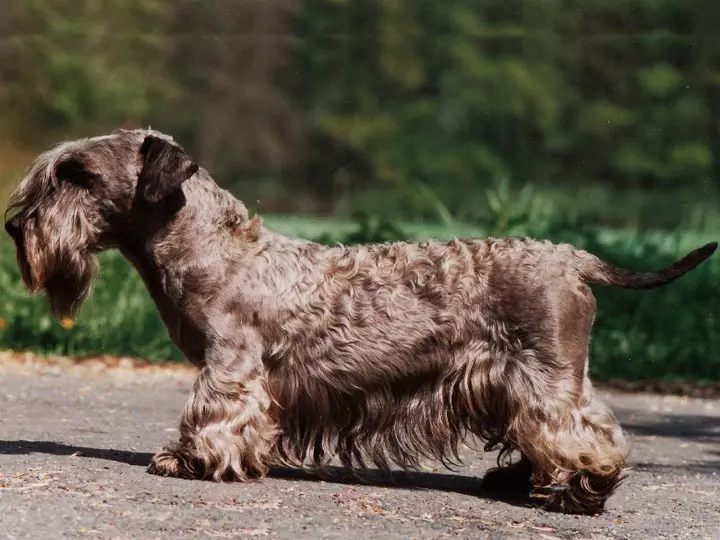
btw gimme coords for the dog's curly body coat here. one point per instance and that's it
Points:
(389, 354)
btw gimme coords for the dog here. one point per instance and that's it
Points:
(377, 354)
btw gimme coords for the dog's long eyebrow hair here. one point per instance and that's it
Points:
(375, 354)
(40, 178)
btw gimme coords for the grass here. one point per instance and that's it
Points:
(670, 334)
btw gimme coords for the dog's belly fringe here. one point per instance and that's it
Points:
(402, 422)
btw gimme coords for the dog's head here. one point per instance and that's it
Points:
(76, 200)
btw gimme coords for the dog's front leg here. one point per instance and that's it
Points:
(225, 431)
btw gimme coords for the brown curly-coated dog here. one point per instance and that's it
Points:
(389, 353)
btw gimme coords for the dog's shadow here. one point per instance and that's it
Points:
(450, 483)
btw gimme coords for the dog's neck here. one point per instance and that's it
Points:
(200, 249)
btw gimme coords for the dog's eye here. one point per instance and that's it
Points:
(75, 172)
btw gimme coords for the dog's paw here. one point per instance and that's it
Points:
(585, 492)
(573, 497)
(561, 500)
(174, 462)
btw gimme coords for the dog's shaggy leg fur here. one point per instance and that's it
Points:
(578, 454)
(225, 431)
(573, 448)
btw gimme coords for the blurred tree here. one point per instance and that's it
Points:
(641, 112)
(446, 94)
(707, 71)
(228, 58)
(423, 103)
(88, 64)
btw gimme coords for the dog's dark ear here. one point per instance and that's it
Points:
(165, 167)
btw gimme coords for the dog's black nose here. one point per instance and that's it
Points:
(13, 227)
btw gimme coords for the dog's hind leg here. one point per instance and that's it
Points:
(225, 431)
(572, 456)
(578, 454)
(573, 440)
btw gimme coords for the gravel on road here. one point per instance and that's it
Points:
(75, 439)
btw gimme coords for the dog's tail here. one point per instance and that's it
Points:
(594, 270)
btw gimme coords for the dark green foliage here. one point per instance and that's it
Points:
(368, 228)
(338, 105)
(81, 65)
(458, 95)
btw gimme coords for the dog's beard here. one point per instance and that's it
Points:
(69, 288)
(65, 272)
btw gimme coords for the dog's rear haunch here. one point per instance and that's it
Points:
(383, 354)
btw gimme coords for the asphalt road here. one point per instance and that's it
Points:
(75, 441)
